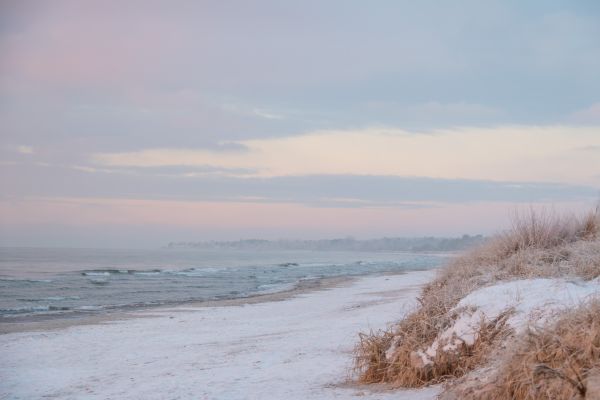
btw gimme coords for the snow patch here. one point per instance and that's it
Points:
(531, 302)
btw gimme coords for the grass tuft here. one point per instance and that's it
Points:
(561, 362)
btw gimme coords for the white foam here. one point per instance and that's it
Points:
(97, 273)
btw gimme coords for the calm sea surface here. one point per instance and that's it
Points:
(55, 282)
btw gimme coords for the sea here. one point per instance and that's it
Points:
(56, 282)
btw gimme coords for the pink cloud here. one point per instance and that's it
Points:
(90, 43)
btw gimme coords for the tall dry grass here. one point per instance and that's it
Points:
(538, 244)
(560, 362)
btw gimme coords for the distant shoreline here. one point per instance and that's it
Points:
(392, 244)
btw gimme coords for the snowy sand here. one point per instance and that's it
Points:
(299, 348)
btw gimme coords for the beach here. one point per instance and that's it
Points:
(297, 347)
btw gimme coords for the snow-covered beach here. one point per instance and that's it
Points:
(297, 348)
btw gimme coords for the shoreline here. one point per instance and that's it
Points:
(49, 322)
(45, 322)
(297, 348)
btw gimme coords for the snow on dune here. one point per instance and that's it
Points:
(532, 302)
(298, 348)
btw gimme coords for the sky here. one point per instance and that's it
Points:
(142, 122)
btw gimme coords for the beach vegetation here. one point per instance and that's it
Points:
(538, 244)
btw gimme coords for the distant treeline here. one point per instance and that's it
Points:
(420, 244)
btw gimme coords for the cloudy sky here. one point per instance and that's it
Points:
(141, 122)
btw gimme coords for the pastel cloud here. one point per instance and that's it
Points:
(210, 184)
(234, 109)
(511, 153)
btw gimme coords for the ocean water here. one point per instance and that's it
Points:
(66, 282)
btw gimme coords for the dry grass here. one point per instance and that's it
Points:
(537, 245)
(554, 363)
